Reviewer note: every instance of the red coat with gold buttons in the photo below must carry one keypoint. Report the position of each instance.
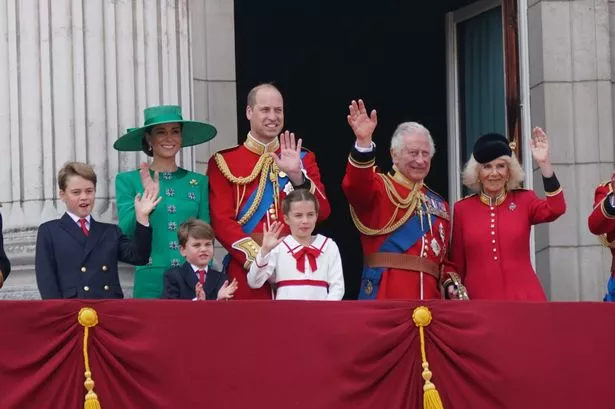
(375, 200)
(601, 221)
(234, 174)
(491, 243)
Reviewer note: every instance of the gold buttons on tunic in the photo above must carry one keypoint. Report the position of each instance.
(83, 269)
(104, 268)
(86, 288)
(106, 288)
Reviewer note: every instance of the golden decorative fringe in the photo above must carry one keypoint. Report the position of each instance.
(88, 318)
(431, 398)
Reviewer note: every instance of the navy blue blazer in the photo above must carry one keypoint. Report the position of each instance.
(5, 265)
(179, 283)
(69, 264)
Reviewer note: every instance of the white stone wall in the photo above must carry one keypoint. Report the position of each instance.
(75, 74)
(214, 83)
(571, 96)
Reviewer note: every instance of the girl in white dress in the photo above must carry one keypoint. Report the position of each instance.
(300, 266)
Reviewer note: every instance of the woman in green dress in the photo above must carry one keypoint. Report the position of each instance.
(184, 193)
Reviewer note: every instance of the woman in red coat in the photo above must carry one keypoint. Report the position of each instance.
(491, 229)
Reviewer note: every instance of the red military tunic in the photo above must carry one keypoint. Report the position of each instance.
(490, 245)
(234, 174)
(601, 221)
(378, 200)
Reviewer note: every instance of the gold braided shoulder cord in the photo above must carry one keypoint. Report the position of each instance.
(224, 169)
(409, 203)
(261, 168)
(259, 192)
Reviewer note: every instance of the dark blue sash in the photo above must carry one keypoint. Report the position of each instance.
(399, 242)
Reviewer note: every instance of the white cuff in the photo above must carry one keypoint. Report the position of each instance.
(364, 150)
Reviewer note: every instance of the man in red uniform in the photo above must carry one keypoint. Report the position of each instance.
(601, 222)
(404, 225)
(248, 182)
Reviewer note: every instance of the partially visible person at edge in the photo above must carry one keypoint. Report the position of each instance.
(404, 225)
(184, 193)
(601, 222)
(248, 183)
(491, 228)
(5, 264)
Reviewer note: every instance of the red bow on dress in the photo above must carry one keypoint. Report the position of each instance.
(311, 253)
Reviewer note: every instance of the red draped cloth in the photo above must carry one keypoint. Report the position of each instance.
(307, 355)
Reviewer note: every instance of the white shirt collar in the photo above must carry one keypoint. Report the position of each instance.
(319, 243)
(195, 268)
(77, 218)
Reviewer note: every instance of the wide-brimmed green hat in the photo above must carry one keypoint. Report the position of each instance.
(193, 132)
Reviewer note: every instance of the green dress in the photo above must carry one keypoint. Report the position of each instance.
(184, 195)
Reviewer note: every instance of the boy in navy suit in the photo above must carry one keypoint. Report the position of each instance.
(194, 280)
(76, 256)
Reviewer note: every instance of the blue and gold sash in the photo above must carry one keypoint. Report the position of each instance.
(265, 203)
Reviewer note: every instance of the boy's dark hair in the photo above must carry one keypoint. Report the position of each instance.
(195, 228)
(75, 169)
(298, 195)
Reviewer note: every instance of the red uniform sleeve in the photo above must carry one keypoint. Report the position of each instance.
(361, 184)
(317, 187)
(602, 218)
(457, 254)
(222, 211)
(550, 208)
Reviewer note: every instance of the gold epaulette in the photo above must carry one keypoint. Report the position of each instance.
(238, 180)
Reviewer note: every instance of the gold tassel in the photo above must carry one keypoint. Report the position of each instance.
(431, 398)
(88, 318)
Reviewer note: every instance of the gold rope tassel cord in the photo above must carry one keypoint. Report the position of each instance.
(88, 318)
(431, 398)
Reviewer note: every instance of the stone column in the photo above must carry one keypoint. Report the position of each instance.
(73, 76)
(571, 96)
(215, 90)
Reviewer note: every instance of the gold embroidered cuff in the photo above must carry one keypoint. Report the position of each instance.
(248, 247)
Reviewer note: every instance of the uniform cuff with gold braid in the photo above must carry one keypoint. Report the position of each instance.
(552, 186)
(362, 159)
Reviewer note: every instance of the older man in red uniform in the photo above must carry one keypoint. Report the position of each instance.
(601, 222)
(248, 182)
(404, 225)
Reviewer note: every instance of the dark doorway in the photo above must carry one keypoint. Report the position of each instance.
(324, 54)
